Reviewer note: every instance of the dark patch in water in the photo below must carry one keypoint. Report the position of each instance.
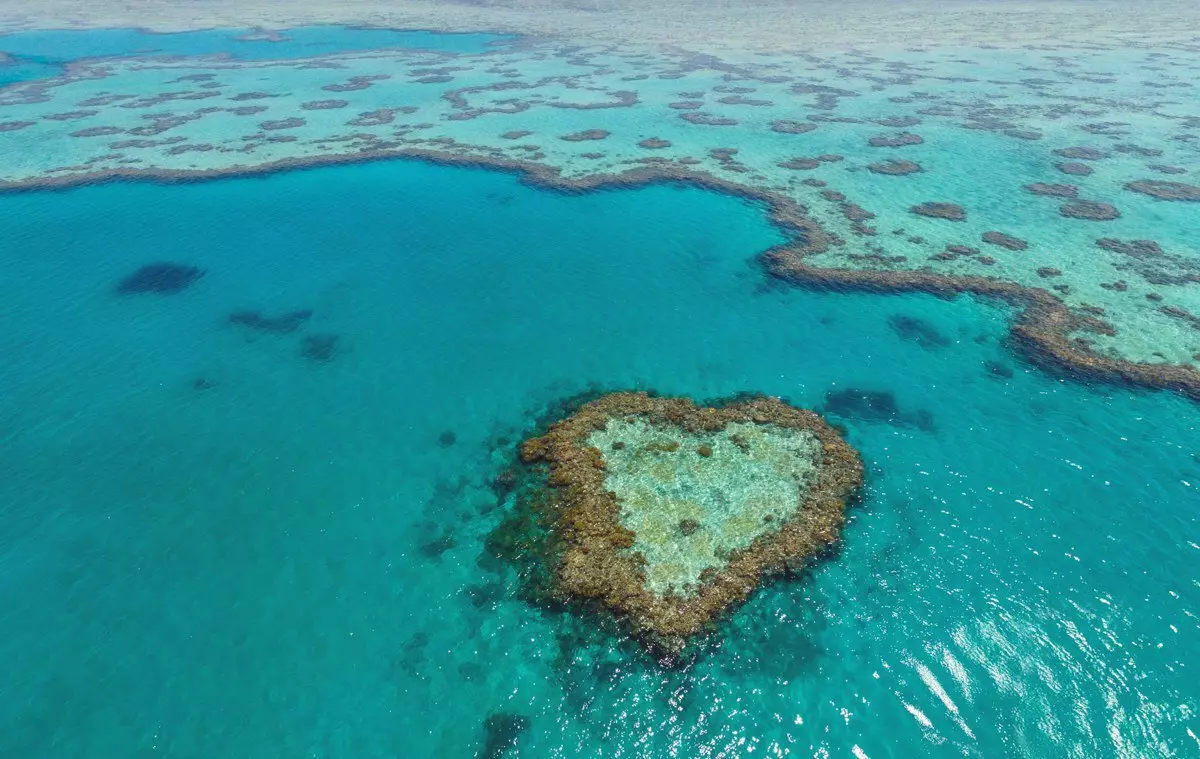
(877, 406)
(918, 331)
(319, 348)
(160, 278)
(501, 732)
(413, 656)
(759, 644)
(447, 496)
(276, 325)
(997, 369)
(485, 595)
(472, 672)
(200, 384)
(447, 439)
(504, 484)
(434, 543)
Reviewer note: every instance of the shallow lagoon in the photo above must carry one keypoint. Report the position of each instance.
(251, 568)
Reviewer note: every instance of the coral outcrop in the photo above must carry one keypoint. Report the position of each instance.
(667, 513)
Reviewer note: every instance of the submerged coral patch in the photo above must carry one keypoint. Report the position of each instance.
(587, 134)
(1080, 153)
(875, 406)
(666, 513)
(1053, 190)
(160, 279)
(787, 126)
(1005, 241)
(278, 325)
(654, 143)
(1089, 209)
(894, 167)
(940, 211)
(896, 141)
(1074, 169)
(319, 348)
(324, 105)
(1164, 190)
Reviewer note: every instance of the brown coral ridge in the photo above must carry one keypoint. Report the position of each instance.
(592, 563)
(1045, 341)
(1041, 331)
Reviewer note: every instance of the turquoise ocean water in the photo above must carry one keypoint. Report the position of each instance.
(213, 545)
(37, 54)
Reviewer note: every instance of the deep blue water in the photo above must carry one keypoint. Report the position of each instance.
(42, 53)
(245, 568)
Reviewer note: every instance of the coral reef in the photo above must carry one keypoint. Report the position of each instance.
(1053, 190)
(666, 513)
(100, 131)
(501, 731)
(874, 406)
(160, 279)
(1042, 332)
(708, 119)
(654, 143)
(1164, 190)
(894, 167)
(808, 236)
(1074, 169)
(1004, 240)
(587, 134)
(919, 331)
(1089, 209)
(940, 211)
(898, 121)
(799, 163)
(288, 123)
(278, 325)
(319, 348)
(785, 126)
(323, 105)
(1080, 154)
(896, 141)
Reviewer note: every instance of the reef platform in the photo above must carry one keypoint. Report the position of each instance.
(666, 513)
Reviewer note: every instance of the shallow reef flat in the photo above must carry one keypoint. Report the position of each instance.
(1063, 181)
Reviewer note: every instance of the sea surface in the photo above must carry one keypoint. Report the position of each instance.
(39, 54)
(223, 540)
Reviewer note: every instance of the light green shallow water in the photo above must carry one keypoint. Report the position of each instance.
(748, 479)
